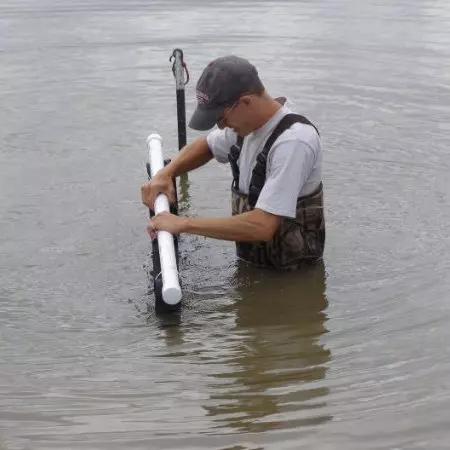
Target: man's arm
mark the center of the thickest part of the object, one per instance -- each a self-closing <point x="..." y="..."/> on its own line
<point x="192" y="156"/>
<point x="255" y="225"/>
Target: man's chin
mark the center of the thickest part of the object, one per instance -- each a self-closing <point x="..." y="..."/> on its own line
<point x="240" y="132"/>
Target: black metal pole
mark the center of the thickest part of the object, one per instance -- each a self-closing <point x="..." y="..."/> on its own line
<point x="181" y="74"/>
<point x="179" y="69"/>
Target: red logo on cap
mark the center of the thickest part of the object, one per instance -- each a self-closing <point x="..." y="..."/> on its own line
<point x="202" y="97"/>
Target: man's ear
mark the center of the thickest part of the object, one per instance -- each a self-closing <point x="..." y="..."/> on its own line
<point x="247" y="100"/>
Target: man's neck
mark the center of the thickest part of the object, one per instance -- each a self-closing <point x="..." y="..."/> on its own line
<point x="268" y="109"/>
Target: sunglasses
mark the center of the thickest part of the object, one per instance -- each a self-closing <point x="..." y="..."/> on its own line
<point x="220" y="121"/>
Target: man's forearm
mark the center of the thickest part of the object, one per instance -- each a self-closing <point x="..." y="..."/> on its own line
<point x="242" y="227"/>
<point x="192" y="156"/>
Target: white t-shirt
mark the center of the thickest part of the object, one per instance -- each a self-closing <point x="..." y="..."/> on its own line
<point x="294" y="163"/>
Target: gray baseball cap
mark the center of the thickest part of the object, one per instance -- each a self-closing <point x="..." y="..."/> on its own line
<point x="221" y="84"/>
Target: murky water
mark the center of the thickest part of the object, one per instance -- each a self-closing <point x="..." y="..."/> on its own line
<point x="350" y="355"/>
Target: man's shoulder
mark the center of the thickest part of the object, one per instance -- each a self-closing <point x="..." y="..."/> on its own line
<point x="300" y="132"/>
<point x="220" y="137"/>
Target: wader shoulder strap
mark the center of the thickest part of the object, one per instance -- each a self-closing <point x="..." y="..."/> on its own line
<point x="259" y="172"/>
<point x="233" y="157"/>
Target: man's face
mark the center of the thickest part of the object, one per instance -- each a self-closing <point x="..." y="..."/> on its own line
<point x="238" y="116"/>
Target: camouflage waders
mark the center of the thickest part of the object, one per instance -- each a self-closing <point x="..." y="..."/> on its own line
<point x="297" y="241"/>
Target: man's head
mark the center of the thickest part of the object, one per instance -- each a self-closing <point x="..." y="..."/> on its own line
<point x="226" y="94"/>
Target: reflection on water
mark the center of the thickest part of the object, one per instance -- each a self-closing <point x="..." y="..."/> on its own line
<point x="261" y="356"/>
<point x="278" y="364"/>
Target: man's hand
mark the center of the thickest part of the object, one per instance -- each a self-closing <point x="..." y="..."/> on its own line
<point x="166" y="221"/>
<point x="160" y="184"/>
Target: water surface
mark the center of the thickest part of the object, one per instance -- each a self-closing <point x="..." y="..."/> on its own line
<point x="352" y="354"/>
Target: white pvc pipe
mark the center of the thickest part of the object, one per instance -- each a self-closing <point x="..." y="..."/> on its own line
<point x="171" y="290"/>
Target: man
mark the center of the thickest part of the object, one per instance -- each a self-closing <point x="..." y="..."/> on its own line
<point x="276" y="158"/>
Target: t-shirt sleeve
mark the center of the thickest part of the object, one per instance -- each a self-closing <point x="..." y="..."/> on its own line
<point x="290" y="167"/>
<point x="220" y="141"/>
